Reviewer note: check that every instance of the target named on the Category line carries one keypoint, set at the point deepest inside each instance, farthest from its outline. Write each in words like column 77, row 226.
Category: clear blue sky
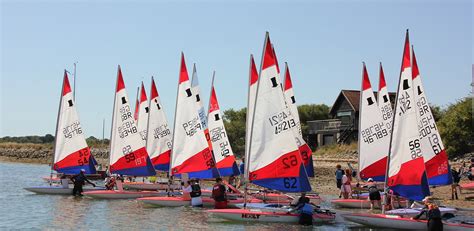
column 324, row 43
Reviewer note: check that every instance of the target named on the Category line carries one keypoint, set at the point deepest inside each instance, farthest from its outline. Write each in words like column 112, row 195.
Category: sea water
column 20, row 209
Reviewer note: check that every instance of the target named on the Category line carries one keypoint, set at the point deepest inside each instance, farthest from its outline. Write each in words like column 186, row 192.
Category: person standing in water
column 196, row 200
column 219, row 194
column 346, row 188
column 79, row 180
column 433, row 215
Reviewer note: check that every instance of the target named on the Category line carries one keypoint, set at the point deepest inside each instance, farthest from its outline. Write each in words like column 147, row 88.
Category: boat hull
column 358, row 203
column 58, row 190
column 115, row 194
column 266, row 216
column 413, row 212
column 180, row 201
column 468, row 186
column 397, row 222
column 149, row 186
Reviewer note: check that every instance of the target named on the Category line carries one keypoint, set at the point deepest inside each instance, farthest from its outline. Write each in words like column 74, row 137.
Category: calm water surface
column 20, row 209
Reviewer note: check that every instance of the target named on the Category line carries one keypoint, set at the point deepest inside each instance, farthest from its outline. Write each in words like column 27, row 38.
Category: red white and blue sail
column 159, row 133
column 190, row 152
column 383, row 100
column 406, row 174
column 202, row 113
column 222, row 150
column 374, row 136
column 252, row 92
column 274, row 160
column 142, row 117
column 71, row 153
column 432, row 148
column 304, row 148
column 128, row 155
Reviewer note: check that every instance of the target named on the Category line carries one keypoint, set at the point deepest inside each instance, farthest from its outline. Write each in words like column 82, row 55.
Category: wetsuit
column 434, row 219
column 306, row 214
column 79, row 180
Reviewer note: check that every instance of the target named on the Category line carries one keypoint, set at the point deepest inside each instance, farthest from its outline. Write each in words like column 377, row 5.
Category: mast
column 113, row 116
column 56, row 132
column 74, row 93
column 391, row 132
column 358, row 125
column 246, row 153
column 174, row 123
column 253, row 118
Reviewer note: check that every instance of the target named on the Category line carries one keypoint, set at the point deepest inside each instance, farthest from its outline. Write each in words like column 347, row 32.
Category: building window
column 343, row 113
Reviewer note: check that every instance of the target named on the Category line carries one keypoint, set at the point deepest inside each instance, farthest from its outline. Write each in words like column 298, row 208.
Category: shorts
column 374, row 196
column 339, row 183
column 220, row 205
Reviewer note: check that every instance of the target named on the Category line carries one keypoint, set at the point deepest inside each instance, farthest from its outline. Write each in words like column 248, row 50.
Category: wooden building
column 343, row 127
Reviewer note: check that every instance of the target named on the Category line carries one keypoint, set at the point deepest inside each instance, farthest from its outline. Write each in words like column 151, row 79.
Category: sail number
column 125, row 113
column 374, row 132
column 415, row 148
column 192, row 127
column 435, row 145
column 281, row 122
column 289, row 162
column 404, row 103
column 83, row 157
column 161, row 131
column 289, row 182
column 127, row 128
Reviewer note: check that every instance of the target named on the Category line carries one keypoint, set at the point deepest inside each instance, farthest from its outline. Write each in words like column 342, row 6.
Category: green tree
column 308, row 112
column 457, row 128
column 234, row 122
column 437, row 112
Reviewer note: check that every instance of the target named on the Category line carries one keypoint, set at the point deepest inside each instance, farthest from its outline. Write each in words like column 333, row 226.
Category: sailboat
column 304, row 148
column 71, row 153
column 158, row 138
column 273, row 160
column 128, row 154
column 373, row 142
column 431, row 144
column 406, row 174
column 222, row 150
column 192, row 156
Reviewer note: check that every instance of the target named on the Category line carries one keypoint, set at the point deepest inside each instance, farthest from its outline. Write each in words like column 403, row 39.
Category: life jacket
column 218, row 192
column 373, row 189
column 195, row 190
column 307, row 209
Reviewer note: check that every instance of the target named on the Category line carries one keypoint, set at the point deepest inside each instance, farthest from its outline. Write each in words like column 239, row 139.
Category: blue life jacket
column 339, row 174
column 242, row 168
column 307, row 209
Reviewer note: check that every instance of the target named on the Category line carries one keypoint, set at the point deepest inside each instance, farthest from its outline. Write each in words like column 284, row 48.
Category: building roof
column 353, row 97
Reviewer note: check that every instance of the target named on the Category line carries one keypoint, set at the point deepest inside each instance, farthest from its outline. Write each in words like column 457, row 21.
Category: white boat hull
column 413, row 212
column 358, row 203
column 116, row 194
column 57, row 190
column 265, row 216
column 397, row 222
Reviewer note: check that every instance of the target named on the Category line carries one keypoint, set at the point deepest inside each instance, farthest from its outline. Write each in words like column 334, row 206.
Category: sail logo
column 192, row 127
column 71, row 130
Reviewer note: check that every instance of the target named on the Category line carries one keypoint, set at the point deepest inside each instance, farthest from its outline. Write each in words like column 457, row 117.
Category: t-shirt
column 339, row 174
column 218, row 192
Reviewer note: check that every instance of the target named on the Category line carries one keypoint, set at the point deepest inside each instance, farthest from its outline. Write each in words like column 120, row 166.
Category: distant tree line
column 455, row 124
column 47, row 139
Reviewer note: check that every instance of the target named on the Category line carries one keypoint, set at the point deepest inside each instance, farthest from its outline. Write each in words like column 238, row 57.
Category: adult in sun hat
column 432, row 215
column 79, row 180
